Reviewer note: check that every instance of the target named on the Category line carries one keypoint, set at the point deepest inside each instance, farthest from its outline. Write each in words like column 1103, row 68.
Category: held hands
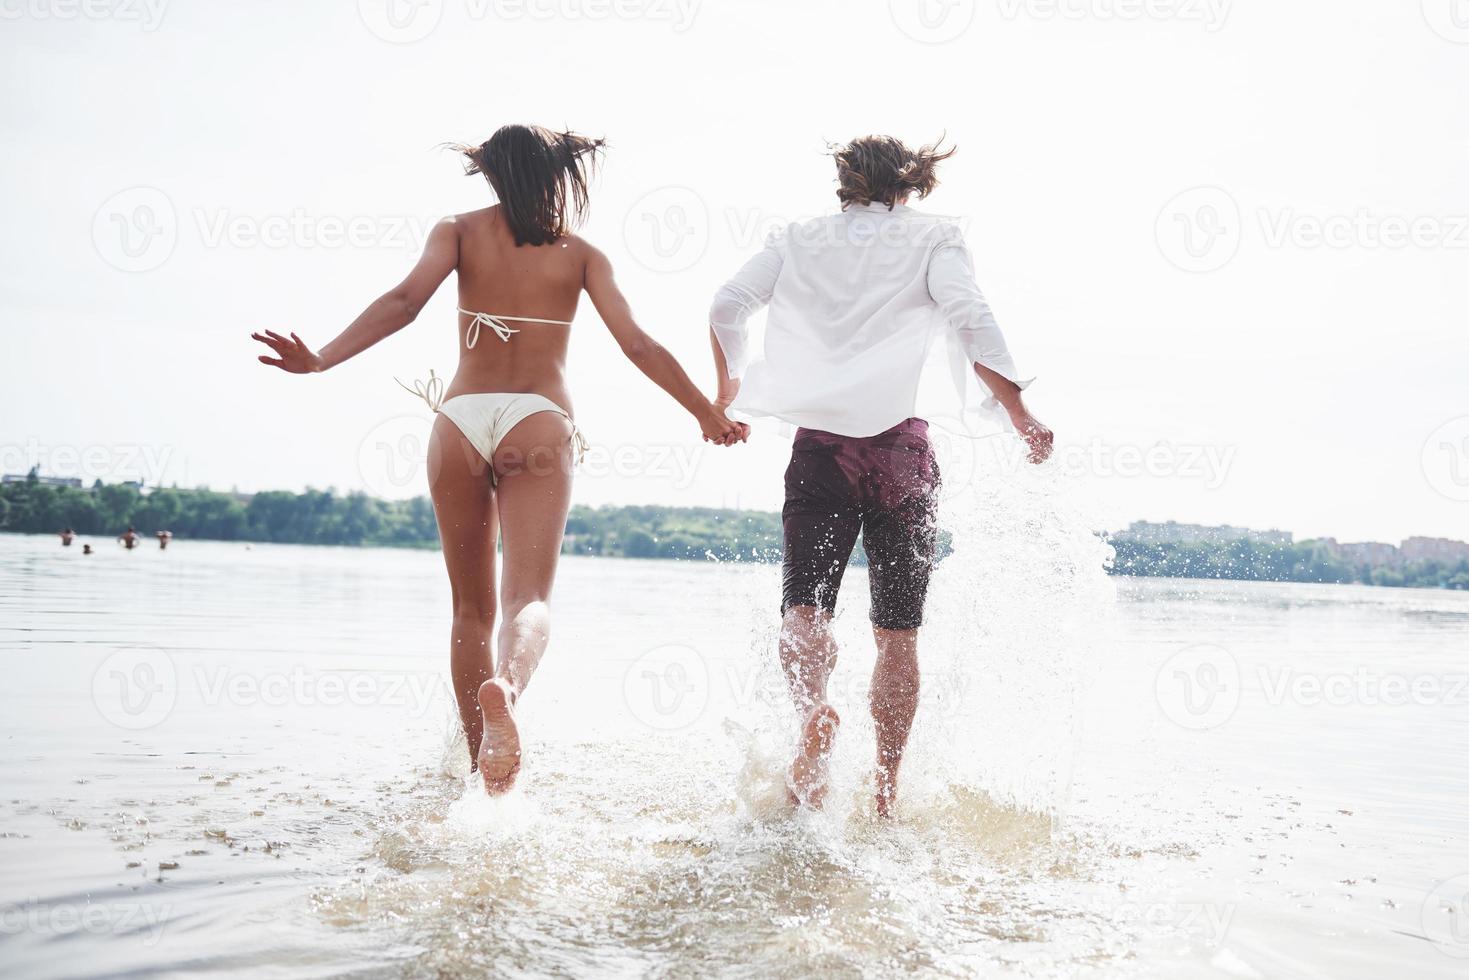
column 719, row 429
column 295, row 357
column 1036, row 436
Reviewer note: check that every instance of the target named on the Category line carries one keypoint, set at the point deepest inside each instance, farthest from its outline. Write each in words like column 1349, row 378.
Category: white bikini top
column 498, row 324
column 432, row 391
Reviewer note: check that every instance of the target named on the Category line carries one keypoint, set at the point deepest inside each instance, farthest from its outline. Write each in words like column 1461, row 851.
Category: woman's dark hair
column 883, row 169
column 540, row 177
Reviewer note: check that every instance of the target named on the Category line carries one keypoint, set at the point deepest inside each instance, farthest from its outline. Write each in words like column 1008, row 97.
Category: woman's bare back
column 500, row 278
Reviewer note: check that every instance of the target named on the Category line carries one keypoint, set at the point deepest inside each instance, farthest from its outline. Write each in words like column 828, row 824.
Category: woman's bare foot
column 499, row 748
column 807, row 780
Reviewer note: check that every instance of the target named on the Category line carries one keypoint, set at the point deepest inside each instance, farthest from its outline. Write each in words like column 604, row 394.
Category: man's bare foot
column 806, row 783
column 499, row 748
column 887, row 789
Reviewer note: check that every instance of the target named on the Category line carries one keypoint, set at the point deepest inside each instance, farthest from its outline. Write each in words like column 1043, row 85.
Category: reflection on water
column 220, row 759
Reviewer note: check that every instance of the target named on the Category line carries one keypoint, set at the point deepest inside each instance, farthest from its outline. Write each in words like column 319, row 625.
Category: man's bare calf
column 808, row 652
column 894, row 701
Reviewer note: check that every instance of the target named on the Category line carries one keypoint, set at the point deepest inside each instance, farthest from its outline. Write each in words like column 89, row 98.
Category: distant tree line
column 689, row 533
column 313, row 517
column 669, row 532
column 325, row 517
column 1306, row 561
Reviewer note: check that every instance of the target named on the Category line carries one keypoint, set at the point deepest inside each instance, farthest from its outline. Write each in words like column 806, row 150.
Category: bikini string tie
column 431, row 391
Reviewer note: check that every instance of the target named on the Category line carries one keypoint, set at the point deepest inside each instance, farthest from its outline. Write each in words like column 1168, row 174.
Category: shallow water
column 241, row 760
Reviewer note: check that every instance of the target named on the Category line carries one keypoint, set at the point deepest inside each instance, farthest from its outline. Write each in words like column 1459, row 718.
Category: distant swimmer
column 86, row 549
column 67, row 537
column 164, row 537
column 129, row 538
column 857, row 299
column 503, row 445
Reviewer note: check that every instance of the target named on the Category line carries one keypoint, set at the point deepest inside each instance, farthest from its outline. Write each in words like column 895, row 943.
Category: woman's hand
column 719, row 429
column 295, row 357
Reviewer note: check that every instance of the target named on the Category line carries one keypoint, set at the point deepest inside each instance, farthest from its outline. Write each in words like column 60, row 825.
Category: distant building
column 1373, row 553
column 1435, row 549
column 1172, row 532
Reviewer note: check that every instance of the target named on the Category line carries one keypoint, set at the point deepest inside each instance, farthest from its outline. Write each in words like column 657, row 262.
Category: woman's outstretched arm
column 661, row 367
column 389, row 313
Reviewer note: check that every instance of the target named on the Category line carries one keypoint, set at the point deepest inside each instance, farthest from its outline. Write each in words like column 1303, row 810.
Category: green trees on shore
column 690, row 533
column 325, row 517
column 313, row 517
column 1305, row 561
column 669, row 532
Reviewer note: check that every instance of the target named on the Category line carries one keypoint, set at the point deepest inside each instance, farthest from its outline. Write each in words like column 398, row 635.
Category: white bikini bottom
column 486, row 418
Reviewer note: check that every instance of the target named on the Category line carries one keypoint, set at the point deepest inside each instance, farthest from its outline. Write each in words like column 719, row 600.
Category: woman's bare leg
column 459, row 482
column 533, row 495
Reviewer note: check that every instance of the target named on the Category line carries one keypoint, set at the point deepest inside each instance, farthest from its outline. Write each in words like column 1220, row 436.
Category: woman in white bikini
column 503, row 446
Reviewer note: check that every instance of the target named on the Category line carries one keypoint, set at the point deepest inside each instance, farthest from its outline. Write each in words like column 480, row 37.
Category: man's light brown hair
column 883, row 170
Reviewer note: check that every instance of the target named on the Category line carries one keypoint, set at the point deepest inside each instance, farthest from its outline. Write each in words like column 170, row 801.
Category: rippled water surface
column 230, row 759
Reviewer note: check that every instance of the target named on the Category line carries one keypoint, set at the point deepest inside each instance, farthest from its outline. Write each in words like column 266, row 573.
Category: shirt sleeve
column 964, row 309
column 745, row 294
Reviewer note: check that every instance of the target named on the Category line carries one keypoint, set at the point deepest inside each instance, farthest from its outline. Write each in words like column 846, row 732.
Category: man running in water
column 856, row 298
column 129, row 538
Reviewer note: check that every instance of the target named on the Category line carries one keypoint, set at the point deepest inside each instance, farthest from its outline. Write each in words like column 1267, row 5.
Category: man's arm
column 1007, row 393
column 747, row 292
column 728, row 387
column 952, row 285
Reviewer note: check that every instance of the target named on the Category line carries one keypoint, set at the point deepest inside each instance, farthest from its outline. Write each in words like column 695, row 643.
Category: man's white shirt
column 856, row 303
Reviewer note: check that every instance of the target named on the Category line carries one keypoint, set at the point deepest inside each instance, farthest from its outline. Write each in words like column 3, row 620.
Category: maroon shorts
column 885, row 487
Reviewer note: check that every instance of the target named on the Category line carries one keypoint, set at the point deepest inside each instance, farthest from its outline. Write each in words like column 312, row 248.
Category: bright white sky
column 1318, row 377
